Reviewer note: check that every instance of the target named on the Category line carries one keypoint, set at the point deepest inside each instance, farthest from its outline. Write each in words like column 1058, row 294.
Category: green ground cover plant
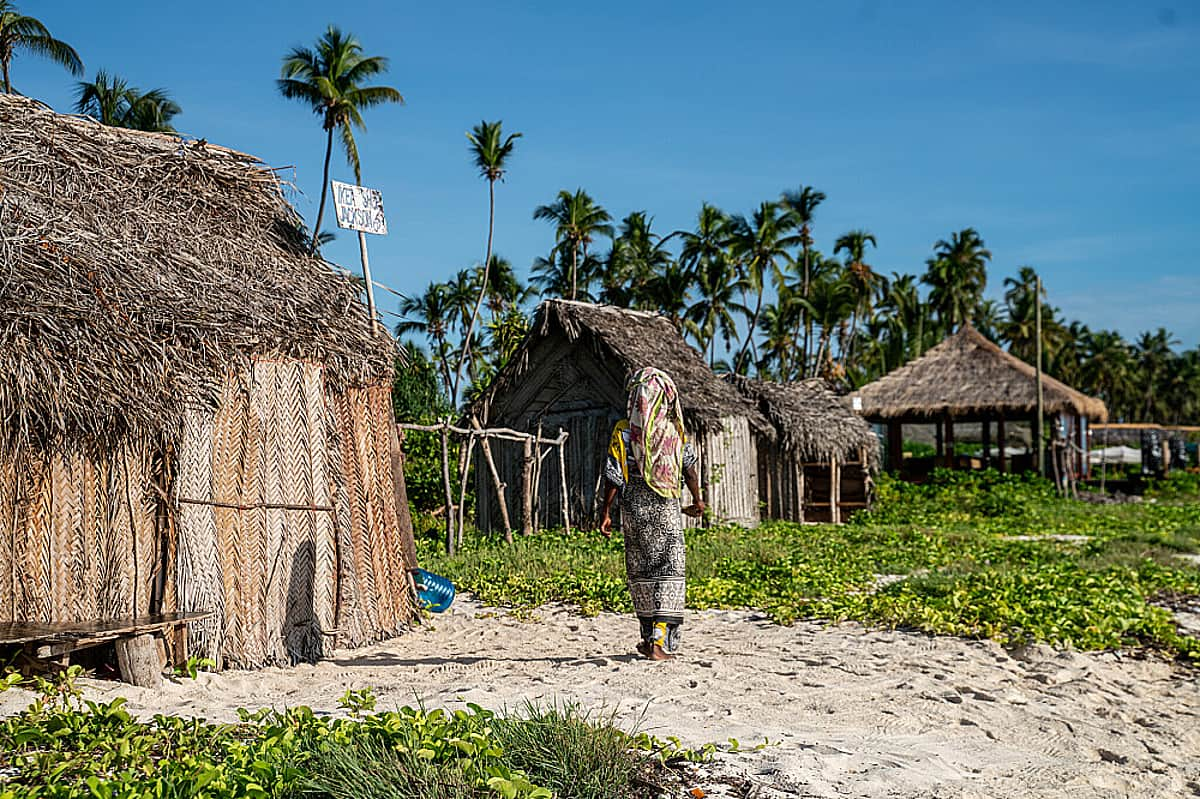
column 980, row 554
column 64, row 747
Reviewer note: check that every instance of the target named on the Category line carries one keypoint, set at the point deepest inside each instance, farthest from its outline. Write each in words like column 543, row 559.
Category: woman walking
column 648, row 459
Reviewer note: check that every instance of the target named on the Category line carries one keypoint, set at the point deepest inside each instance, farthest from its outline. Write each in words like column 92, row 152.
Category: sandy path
column 857, row 713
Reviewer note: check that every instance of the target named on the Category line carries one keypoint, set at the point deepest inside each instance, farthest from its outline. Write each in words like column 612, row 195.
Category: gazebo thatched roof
column 968, row 376
column 138, row 269
column 632, row 340
column 811, row 421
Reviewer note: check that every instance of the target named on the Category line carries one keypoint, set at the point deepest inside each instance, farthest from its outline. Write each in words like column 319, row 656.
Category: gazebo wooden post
column 987, row 443
column 895, row 445
column 835, row 491
column 949, row 442
column 1001, row 440
column 939, row 444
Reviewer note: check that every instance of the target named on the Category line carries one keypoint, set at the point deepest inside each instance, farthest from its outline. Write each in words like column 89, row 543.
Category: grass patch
column 960, row 533
column 63, row 747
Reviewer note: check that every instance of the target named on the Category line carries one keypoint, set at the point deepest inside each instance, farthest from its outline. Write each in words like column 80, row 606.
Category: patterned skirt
column 654, row 552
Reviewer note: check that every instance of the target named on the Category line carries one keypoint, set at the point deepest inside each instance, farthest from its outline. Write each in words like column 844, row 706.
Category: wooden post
column 497, row 484
column 835, row 490
column 527, row 487
column 987, row 443
column 137, row 658
column 937, row 438
column 539, row 456
column 447, row 487
column 799, row 489
column 464, row 465
column 1038, row 421
column 895, row 445
column 1002, row 441
column 949, row 443
column 562, row 471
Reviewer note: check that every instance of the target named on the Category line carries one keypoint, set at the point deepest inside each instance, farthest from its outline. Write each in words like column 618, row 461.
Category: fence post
column 527, row 487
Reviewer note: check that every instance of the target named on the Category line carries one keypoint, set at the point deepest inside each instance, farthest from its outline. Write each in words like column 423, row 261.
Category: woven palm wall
column 287, row 526
column 77, row 538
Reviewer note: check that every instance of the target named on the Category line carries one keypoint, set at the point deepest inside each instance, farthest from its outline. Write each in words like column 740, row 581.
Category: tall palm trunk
column 574, row 268
column 4, row 70
column 487, row 265
column 324, row 190
column 807, row 317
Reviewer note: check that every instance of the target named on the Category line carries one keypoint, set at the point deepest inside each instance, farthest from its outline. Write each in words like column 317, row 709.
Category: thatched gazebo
column 818, row 465
column 193, row 414
column 967, row 378
column 570, row 373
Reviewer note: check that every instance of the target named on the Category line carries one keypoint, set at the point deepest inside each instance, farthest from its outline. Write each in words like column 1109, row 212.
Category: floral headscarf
column 656, row 430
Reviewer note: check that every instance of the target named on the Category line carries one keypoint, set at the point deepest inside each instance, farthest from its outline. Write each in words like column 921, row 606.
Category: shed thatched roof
column 811, row 420
column 968, row 376
column 136, row 269
column 635, row 339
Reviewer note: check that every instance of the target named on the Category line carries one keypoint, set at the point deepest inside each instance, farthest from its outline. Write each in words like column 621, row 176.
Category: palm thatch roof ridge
column 811, row 420
column 137, row 269
column 967, row 375
column 635, row 339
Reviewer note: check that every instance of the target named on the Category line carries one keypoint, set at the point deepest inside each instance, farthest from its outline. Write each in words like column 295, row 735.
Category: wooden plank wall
column 802, row 491
column 729, row 469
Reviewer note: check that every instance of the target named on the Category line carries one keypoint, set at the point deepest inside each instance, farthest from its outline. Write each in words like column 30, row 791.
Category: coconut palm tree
column 429, row 314
column 578, row 220
column 957, row 275
column 505, row 290
column 860, row 275
column 638, row 256
column 1108, row 370
column 705, row 254
column 329, row 78
column 21, row 32
column 110, row 100
column 490, row 149
column 759, row 244
column 802, row 206
column 1154, row 358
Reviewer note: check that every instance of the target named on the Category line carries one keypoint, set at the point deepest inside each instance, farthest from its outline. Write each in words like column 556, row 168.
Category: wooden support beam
column 562, row 472
column 987, row 443
column 497, row 484
column 1002, row 440
column 835, row 490
column 895, row 445
column 527, row 486
column 949, row 443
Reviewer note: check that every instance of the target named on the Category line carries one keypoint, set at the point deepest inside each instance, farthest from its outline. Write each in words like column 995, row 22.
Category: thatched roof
column 811, row 421
column 136, row 269
column 969, row 376
column 632, row 340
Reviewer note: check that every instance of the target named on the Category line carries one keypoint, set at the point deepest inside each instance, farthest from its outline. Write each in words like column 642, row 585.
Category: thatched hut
column 193, row 415
column 819, row 464
column 967, row 378
column 570, row 373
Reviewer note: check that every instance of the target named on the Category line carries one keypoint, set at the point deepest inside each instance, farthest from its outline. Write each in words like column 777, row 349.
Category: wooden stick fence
column 530, row 473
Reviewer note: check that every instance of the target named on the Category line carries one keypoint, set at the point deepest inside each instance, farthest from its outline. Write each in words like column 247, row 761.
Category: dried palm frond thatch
column 811, row 421
column 137, row 270
column 631, row 340
column 968, row 376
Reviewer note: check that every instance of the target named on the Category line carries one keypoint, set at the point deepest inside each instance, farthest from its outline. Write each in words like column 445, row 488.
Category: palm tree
column 110, row 100
column 860, row 274
column 638, row 255
column 1154, row 358
column 329, row 78
column 578, row 220
column 490, row 149
column 830, row 304
column 505, row 290
column 802, row 206
column 758, row 245
column 957, row 274
column 428, row 314
column 1108, row 370
column 21, row 32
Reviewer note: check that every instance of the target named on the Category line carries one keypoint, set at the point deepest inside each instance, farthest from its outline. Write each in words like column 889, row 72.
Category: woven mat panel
column 268, row 571
column 81, row 539
column 373, row 552
column 199, row 579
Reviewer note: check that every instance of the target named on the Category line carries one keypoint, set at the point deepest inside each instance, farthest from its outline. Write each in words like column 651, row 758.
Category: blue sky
column 1067, row 133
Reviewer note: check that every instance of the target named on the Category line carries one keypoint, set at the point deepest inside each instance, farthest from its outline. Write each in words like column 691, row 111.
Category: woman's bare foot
column 657, row 653
column 645, row 648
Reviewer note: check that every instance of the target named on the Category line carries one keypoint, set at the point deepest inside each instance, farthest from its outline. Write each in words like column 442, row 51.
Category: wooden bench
column 136, row 640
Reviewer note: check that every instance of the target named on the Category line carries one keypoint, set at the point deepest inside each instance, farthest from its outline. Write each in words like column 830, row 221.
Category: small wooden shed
column 967, row 378
column 818, row 466
column 569, row 374
column 193, row 414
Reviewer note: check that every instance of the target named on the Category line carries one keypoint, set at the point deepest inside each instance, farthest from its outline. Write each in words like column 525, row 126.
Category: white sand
column 855, row 712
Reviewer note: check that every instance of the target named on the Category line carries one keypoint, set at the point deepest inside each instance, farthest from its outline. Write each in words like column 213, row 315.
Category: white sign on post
column 359, row 208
